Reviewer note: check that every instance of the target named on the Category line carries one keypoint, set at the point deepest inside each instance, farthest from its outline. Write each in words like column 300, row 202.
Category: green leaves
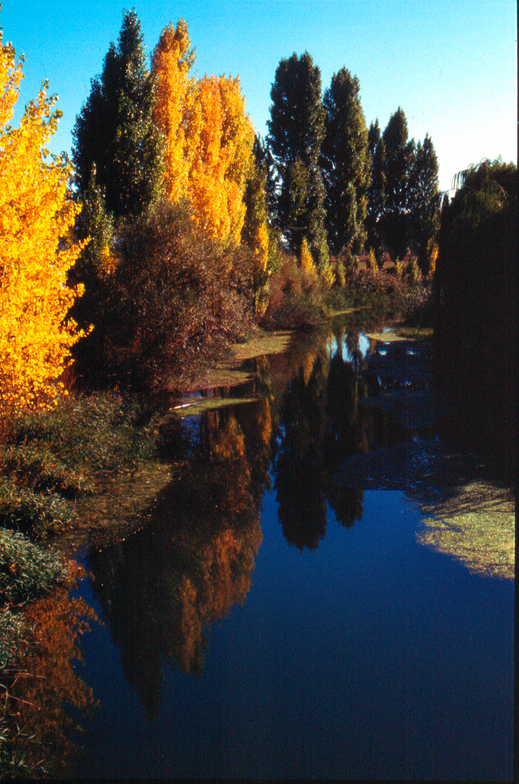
column 345, row 161
column 115, row 131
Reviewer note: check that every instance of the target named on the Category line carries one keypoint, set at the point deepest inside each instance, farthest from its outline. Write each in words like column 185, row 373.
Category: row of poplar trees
column 338, row 186
column 320, row 184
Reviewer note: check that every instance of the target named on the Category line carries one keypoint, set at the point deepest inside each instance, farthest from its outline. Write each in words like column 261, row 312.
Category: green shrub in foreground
column 26, row 568
column 100, row 432
column 52, row 456
column 35, row 513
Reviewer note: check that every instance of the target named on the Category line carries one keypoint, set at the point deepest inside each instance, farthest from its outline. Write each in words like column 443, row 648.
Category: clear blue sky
column 450, row 64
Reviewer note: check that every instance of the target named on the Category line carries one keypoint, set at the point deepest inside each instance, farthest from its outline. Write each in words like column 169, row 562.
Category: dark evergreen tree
column 296, row 132
column 377, row 188
column 424, row 204
column 345, row 162
column 399, row 161
column 114, row 130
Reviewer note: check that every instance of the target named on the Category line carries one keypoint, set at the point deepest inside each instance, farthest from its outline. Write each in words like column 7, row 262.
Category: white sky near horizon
column 450, row 64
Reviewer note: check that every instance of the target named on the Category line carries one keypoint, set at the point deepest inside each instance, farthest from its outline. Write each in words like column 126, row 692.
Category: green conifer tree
column 377, row 189
column 424, row 207
column 345, row 162
column 114, row 130
column 398, row 165
column 296, row 132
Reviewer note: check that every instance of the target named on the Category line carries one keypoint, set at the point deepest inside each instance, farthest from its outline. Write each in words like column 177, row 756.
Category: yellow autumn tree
column 219, row 144
column 36, row 250
column 208, row 137
column 171, row 62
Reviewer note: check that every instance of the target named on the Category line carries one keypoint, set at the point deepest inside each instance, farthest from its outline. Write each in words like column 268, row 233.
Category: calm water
column 273, row 618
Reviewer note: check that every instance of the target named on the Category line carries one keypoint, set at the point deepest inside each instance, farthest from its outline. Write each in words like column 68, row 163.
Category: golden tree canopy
column 209, row 137
column 36, row 216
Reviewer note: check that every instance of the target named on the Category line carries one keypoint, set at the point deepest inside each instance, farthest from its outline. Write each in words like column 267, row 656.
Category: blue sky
column 450, row 64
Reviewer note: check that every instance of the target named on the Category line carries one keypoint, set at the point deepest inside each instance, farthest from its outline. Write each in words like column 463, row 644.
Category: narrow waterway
column 323, row 590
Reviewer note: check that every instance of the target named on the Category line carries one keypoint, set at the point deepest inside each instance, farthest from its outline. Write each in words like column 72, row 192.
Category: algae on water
column 476, row 525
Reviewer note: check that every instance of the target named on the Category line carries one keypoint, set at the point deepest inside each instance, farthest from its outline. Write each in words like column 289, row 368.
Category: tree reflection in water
column 162, row 588
column 38, row 729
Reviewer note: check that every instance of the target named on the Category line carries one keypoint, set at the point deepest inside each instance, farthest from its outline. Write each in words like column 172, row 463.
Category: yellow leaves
column 37, row 214
column 208, row 137
column 306, row 260
column 221, row 143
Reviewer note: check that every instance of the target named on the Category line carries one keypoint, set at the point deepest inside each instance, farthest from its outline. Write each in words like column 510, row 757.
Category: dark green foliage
column 25, row 569
column 345, row 162
column 296, row 132
column 398, row 165
column 424, row 218
column 34, row 513
column 114, row 131
column 51, row 457
column 93, row 265
column 376, row 195
column 256, row 195
column 296, row 125
column 476, row 302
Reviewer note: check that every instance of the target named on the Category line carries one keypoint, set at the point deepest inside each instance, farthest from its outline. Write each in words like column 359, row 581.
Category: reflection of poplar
column 299, row 466
column 37, row 728
column 170, row 581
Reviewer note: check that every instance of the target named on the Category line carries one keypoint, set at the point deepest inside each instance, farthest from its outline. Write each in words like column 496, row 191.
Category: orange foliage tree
column 209, row 137
column 172, row 60
column 36, row 250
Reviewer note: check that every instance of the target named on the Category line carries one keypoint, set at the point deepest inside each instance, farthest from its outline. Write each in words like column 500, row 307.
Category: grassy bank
column 49, row 461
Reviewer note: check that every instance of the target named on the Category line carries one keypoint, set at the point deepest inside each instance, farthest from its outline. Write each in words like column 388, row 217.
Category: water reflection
column 37, row 727
column 324, row 430
column 162, row 588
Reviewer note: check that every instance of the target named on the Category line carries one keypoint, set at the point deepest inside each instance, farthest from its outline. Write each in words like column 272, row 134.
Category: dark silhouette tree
column 296, row 132
column 345, row 162
column 398, row 165
column 114, row 131
column 376, row 196
column 424, row 216
column 475, row 298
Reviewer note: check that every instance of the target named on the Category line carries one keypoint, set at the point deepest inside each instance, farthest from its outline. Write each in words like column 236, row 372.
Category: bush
column 25, row 568
column 37, row 514
column 417, row 306
column 296, row 297
column 176, row 299
column 50, row 457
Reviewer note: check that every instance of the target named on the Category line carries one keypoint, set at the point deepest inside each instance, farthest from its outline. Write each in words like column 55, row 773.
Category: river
column 324, row 589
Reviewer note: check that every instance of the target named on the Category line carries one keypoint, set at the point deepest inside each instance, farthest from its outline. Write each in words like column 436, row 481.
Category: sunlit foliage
column 296, row 132
column 345, row 161
column 115, row 138
column 255, row 231
column 208, row 136
column 36, row 247
column 172, row 60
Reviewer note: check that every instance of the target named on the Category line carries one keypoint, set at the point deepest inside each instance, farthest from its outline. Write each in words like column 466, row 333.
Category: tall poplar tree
column 115, row 132
column 398, row 165
column 345, row 162
column 296, row 132
column 377, row 188
column 424, row 208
